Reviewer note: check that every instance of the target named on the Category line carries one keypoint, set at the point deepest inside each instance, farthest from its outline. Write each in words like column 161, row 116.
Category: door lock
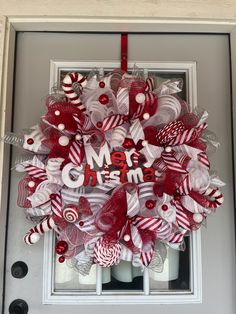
column 18, row 307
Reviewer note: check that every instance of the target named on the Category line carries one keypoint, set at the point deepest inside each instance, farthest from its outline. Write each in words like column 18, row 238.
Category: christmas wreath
column 119, row 166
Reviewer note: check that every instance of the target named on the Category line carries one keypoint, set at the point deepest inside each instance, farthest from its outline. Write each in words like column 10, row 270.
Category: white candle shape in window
column 63, row 273
column 122, row 271
column 90, row 279
column 171, row 267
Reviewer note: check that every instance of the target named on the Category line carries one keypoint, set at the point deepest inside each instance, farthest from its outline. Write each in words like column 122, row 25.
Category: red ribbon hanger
column 124, row 52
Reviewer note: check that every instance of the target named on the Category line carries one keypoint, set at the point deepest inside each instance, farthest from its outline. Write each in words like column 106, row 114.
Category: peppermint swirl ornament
column 107, row 254
column 71, row 213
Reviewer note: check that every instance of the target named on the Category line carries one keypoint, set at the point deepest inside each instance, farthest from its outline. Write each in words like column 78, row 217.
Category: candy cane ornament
column 71, row 81
column 34, row 233
column 212, row 198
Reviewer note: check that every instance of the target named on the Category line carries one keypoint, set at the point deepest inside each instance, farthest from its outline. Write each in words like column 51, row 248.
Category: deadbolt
column 19, row 270
column 18, row 307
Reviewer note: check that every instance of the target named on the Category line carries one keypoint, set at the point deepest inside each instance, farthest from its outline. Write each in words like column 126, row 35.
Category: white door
column 211, row 54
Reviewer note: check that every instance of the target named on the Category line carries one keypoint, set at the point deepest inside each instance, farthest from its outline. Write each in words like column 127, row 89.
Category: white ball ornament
column 57, row 113
column 140, row 98
column 145, row 143
column 61, row 126
column 168, row 149
column 146, row 116
column 126, row 238
column 31, row 184
column 63, row 140
column 198, row 218
column 78, row 137
column 34, row 237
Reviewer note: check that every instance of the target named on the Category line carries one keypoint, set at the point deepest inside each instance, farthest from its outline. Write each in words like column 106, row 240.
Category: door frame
column 9, row 26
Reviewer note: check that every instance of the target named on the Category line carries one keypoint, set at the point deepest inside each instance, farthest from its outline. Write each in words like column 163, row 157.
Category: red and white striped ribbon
column 146, row 256
column 171, row 162
column 183, row 138
column 176, row 238
column 203, row 159
column 150, row 223
column 35, row 172
column 149, row 84
column 181, row 218
column 69, row 91
column 112, row 121
column 136, row 131
column 56, row 205
column 185, row 186
column 76, row 152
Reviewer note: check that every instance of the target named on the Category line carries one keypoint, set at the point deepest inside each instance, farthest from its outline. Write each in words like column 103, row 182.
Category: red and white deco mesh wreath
column 119, row 170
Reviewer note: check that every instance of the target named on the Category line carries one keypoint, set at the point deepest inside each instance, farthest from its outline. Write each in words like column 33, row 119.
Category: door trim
column 10, row 25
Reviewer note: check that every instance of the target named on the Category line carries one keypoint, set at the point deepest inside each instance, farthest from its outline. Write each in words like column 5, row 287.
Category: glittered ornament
column 61, row 247
column 103, row 99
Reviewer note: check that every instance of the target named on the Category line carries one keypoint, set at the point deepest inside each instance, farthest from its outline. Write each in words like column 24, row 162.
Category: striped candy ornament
column 68, row 84
column 34, row 233
column 107, row 253
column 170, row 131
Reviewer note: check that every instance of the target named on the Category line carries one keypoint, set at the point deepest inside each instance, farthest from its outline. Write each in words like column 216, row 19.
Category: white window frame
column 194, row 295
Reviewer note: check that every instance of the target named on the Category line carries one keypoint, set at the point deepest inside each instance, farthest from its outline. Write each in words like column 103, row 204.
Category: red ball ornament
column 150, row 204
column 30, row 141
column 101, row 84
column 81, row 223
column 103, row 99
column 61, row 247
column 99, row 124
column 164, row 207
column 61, row 259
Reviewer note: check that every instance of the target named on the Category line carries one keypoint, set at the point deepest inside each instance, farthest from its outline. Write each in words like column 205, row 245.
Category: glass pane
column 124, row 276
